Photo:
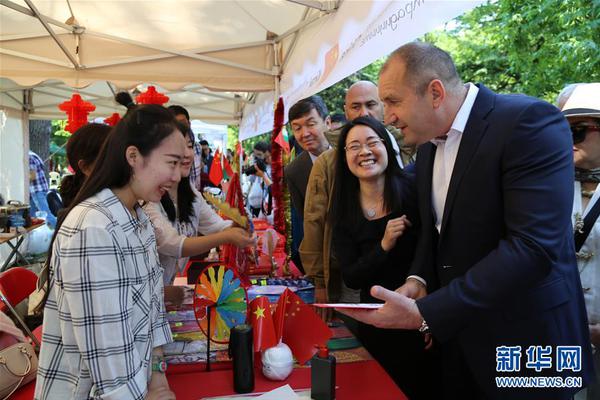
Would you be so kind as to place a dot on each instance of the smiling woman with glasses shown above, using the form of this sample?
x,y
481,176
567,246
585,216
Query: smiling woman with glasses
x,y
375,224
582,110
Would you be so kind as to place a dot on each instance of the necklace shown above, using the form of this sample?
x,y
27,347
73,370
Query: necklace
x,y
371,212
587,193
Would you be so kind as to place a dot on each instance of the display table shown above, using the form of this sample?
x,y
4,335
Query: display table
x,y
359,380
20,238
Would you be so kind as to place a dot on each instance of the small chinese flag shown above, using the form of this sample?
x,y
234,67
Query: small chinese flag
x,y
298,326
216,169
262,324
227,168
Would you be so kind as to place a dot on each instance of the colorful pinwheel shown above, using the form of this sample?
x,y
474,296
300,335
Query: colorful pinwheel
x,y
219,291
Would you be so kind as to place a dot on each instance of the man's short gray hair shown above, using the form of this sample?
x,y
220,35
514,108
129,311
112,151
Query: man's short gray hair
x,y
423,63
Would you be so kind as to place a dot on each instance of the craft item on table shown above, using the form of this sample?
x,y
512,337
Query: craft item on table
x,y
232,255
227,210
274,287
298,326
151,96
278,187
184,326
77,111
277,362
234,214
181,315
218,288
220,303
270,239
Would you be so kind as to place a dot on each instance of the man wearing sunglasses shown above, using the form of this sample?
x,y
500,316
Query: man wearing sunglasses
x,y
582,110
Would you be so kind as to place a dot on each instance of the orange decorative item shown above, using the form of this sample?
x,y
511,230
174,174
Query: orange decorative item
x,y
151,96
77,111
113,119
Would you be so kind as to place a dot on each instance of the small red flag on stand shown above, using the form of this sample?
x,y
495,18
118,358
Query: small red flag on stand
x,y
298,326
262,324
216,169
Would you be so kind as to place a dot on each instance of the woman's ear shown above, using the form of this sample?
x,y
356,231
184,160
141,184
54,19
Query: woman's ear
x,y
132,154
84,168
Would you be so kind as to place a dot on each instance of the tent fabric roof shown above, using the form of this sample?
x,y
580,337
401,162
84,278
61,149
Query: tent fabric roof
x,y
226,61
223,46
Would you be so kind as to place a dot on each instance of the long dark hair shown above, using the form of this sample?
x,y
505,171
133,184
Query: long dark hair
x,y
346,205
84,145
144,127
185,194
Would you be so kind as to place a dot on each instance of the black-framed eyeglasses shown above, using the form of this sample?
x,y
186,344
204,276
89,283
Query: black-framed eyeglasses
x,y
581,130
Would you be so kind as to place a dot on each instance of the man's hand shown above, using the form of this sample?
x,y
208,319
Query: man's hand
x,y
393,230
412,288
398,312
259,172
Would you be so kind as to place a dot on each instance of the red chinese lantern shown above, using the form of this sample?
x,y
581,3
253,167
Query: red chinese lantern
x,y
113,119
151,96
77,111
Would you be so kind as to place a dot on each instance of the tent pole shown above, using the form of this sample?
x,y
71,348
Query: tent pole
x,y
59,42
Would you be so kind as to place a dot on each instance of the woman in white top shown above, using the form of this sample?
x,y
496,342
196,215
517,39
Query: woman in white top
x,y
583,115
104,318
181,214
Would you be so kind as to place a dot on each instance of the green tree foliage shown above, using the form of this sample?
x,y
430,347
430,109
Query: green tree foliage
x,y
534,47
334,95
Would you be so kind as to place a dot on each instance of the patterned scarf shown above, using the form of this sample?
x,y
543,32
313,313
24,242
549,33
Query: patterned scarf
x,y
587,175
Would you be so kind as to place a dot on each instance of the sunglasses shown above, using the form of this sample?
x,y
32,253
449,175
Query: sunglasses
x,y
580,131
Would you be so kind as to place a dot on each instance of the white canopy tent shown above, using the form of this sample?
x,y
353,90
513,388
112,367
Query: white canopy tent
x,y
211,56
224,60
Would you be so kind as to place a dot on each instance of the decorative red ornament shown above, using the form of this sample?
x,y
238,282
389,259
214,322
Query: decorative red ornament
x,y
77,111
277,170
113,119
151,96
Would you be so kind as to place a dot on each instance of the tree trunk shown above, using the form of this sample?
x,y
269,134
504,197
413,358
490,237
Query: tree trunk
x,y
39,139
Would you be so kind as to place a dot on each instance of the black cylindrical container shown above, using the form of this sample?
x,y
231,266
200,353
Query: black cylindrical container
x,y
241,350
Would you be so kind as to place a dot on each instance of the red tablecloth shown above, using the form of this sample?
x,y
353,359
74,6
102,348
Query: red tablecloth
x,y
359,380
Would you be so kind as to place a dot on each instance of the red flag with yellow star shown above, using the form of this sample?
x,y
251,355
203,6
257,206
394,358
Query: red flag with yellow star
x,y
298,326
261,321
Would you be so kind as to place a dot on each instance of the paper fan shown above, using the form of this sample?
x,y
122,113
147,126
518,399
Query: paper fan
x,y
219,290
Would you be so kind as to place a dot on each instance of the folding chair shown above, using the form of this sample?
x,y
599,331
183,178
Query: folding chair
x,y
16,285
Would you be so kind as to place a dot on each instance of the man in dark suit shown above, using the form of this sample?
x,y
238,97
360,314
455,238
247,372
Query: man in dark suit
x,y
496,251
309,120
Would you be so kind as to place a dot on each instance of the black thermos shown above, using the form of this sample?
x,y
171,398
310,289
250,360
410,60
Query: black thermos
x,y
241,350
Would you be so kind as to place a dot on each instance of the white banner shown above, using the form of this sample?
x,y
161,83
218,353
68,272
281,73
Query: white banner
x,y
357,34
